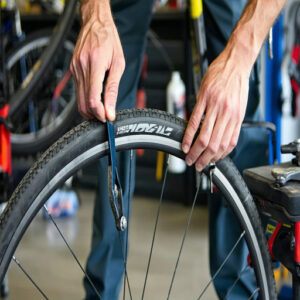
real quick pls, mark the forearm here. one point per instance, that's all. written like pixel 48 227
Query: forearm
pixel 251 31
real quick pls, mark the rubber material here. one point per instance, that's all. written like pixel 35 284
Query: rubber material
pixel 31 143
pixel 22 96
pixel 133 129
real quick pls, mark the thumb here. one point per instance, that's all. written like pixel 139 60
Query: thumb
pixel 111 89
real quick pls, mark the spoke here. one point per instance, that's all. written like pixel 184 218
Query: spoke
pixel 235 282
pixel 222 265
pixel 72 252
pixel 127 231
pixel 125 265
pixel 29 277
pixel 155 228
pixel 253 294
pixel 183 240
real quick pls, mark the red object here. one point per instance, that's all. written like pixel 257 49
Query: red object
pixel 173 4
pixel 297 242
pixel 296 54
pixel 272 239
pixel 5 147
pixel 270 244
pixel 295 85
pixel 140 99
pixel 61 85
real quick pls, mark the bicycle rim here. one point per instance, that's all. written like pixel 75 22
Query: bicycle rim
pixel 148 129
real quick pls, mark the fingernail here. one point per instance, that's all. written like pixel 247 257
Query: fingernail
pixel 188 161
pixel 111 114
pixel 185 148
pixel 199 167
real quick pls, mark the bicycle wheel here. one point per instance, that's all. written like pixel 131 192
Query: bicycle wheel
pixel 134 129
pixel 46 117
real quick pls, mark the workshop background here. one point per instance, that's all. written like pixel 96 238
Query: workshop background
pixel 167 52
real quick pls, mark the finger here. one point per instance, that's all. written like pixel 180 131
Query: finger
pixel 203 138
pixel 95 85
pixel 233 140
pixel 225 142
pixel 193 125
pixel 213 149
pixel 112 87
pixel 81 99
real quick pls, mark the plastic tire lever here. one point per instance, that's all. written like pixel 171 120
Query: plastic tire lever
pixel 114 186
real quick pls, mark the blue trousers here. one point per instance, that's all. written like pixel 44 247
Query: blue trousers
pixel 105 262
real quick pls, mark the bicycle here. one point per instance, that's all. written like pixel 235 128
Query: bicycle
pixel 134 129
pixel 27 67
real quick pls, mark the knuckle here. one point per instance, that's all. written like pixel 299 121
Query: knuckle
pixel 227 106
pixel 212 148
pixel 120 61
pixel 203 161
pixel 92 105
pixel 203 142
pixel 94 54
pixel 233 143
pixel 192 157
pixel 82 59
pixel 223 147
pixel 193 124
pixel 217 99
pixel 112 90
pixel 206 88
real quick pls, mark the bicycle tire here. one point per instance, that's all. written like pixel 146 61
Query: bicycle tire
pixel 28 143
pixel 40 72
pixel 149 129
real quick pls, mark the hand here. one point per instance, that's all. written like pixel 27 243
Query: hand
pixel 222 98
pixel 98 50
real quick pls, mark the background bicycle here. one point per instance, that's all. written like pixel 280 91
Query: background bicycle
pixel 42 99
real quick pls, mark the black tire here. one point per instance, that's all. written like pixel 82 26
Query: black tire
pixel 149 129
pixel 23 141
pixel 41 70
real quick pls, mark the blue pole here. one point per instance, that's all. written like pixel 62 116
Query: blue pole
pixel 273 82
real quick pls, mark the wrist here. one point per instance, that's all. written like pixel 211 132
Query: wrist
pixel 95 9
pixel 241 52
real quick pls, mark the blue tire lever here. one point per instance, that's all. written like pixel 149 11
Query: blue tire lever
pixel 114 186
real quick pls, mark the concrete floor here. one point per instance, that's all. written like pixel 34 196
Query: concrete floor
pixel 45 257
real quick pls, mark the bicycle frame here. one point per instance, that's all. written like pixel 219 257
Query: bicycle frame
pixel 198 38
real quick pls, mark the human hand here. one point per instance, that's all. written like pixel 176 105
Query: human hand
pixel 98 50
pixel 223 99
